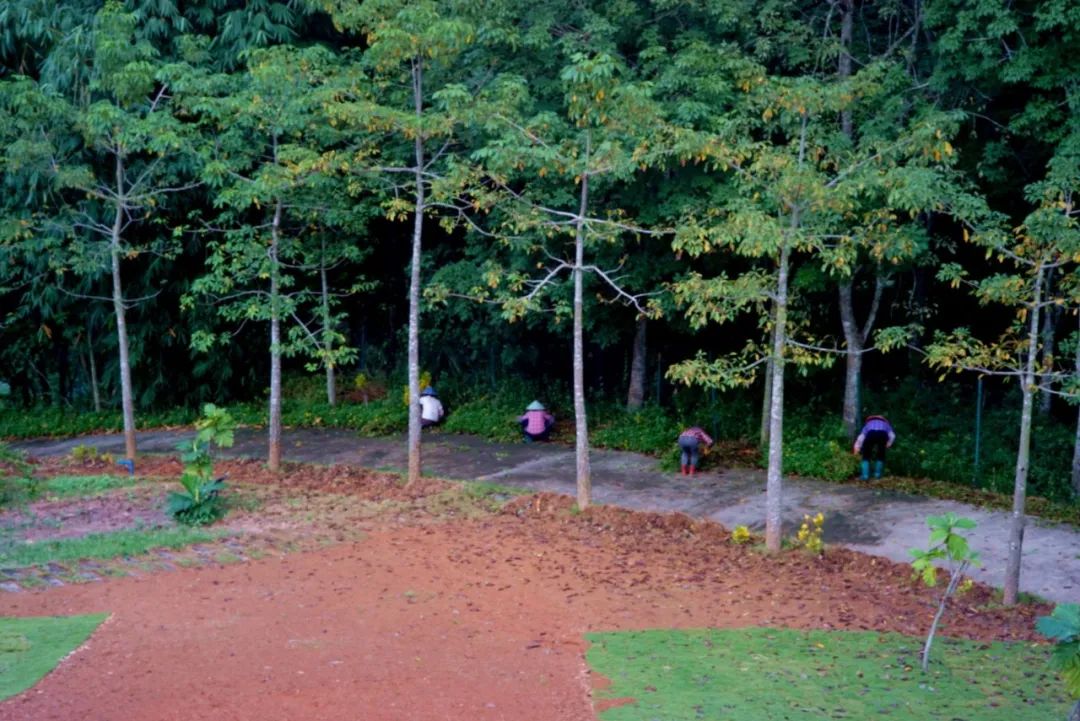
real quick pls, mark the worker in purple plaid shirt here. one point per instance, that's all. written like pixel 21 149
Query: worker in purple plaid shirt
pixel 876 435
pixel 689 442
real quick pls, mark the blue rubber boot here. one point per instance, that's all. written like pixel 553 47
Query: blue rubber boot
pixel 864 469
pixel 879 466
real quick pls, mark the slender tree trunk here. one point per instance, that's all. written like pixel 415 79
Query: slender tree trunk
pixel 581 425
pixel 774 475
pixel 127 400
pixel 1027 387
pixel 1049 331
pixel 853 341
pixel 328 340
pixel 774 479
pixel 635 396
pixel 766 398
pixel 853 359
pixel 273 461
pixel 954 581
pixel 1076 443
pixel 414 281
pixel 93 369
pixel 843 70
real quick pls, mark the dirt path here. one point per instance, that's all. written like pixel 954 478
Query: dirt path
pixel 876 522
pixel 434 618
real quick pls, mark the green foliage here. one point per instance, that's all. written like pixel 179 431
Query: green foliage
pixel 491 416
pixel 815 456
pixel 47 421
pixel 201 503
pixel 762 674
pixel 31 647
pixel 650 430
pixel 1063 626
pixel 946 544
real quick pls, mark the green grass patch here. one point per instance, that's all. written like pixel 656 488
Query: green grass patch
pixel 762 674
pixel 78 486
pixel 31 647
pixel 102 545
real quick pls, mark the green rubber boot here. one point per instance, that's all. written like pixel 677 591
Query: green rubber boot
pixel 864 469
pixel 879 466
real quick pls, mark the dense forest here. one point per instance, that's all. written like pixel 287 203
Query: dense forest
pixel 710 209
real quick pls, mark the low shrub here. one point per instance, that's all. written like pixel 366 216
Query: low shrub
pixel 826 458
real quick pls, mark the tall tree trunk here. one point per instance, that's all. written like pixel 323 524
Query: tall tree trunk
pixel 853 359
pixel 774 480
pixel 127 400
pixel 843 70
pixel 635 396
pixel 1049 331
pixel 855 339
pixel 766 397
pixel 328 340
pixel 1027 387
pixel 273 460
pixel 774 475
pixel 414 280
pixel 1076 443
pixel 581 425
pixel 93 368
pixel 852 338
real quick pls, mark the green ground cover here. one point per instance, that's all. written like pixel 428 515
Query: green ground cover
pixel 31 647
pixel 100 545
pixel 767 674
pixel 81 486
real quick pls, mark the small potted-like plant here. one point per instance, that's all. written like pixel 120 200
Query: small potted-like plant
pixel 948 546
pixel 201 502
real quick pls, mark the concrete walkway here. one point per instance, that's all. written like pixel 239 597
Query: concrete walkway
pixel 882 523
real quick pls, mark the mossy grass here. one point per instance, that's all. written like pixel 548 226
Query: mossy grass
pixel 31 647
pixel 101 545
pixel 82 486
pixel 759 674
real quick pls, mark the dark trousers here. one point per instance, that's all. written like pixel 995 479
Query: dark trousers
pixel 873 447
pixel 541 436
pixel 689 446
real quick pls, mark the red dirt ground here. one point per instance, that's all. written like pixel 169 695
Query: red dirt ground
pixel 436 617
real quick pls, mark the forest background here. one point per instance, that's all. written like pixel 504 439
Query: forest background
pixel 656 210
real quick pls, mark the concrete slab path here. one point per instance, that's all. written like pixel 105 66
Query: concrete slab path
pixel 878 522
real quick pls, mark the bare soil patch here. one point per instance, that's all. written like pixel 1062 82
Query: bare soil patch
pixel 417 604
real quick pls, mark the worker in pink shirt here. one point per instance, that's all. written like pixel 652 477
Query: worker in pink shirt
pixel 536 423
